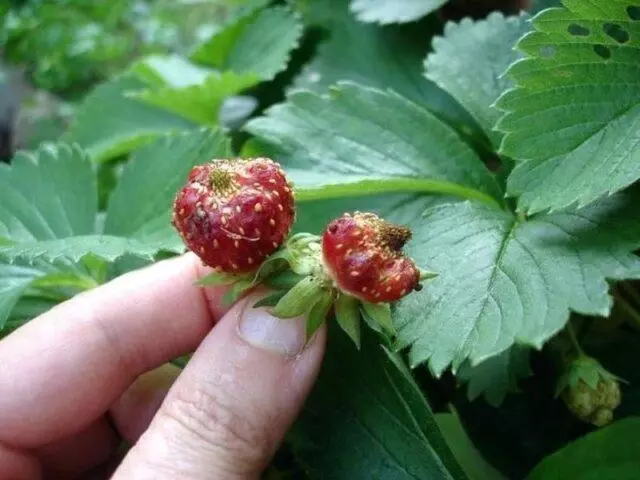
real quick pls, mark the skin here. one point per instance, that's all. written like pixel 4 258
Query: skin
pixel 93 371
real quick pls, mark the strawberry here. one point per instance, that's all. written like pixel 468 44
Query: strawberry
pixel 363 255
pixel 234 213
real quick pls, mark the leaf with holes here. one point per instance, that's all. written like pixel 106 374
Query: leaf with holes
pixel 393 11
pixel 572 120
pixel 503 280
pixel 361 137
pixel 468 62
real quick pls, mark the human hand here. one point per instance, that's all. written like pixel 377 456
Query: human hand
pixel 91 372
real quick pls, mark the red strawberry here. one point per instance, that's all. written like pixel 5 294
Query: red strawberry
pixel 362 254
pixel 235 213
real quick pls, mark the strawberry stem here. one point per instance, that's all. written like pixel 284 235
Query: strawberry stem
pixel 363 187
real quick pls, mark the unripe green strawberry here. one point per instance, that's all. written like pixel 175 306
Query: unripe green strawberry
pixel 234 213
pixel 590 392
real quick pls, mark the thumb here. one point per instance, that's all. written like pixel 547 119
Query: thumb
pixel 229 410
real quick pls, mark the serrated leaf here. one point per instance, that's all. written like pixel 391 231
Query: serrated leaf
pixel 259 43
pixel 299 299
pixel 387 58
pixel 366 418
pixel 14 279
pixel 199 103
pixel 393 11
pixel 572 120
pixel 502 280
pixel 106 247
pixel 140 205
pixel 110 123
pixel 610 452
pixel 366 134
pixel 47 194
pixel 497 376
pixel 468 62
pixel 347 310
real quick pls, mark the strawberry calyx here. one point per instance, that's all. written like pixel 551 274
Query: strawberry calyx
pixel 303 283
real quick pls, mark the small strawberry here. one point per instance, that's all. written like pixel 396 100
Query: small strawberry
pixel 234 213
pixel 363 255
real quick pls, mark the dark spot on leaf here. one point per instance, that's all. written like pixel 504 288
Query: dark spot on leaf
pixel 634 12
pixel 547 51
pixel 616 32
pixel 578 30
pixel 602 51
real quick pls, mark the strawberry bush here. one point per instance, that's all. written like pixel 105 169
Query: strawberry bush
pixel 505 137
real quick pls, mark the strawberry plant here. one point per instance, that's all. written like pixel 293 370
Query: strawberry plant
pixel 497 149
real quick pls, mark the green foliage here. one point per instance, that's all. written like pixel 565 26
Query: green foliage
pixel 612 452
pixel 518 187
pixel 369 420
pixel 572 119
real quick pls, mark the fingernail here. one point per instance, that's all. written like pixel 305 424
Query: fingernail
pixel 261 329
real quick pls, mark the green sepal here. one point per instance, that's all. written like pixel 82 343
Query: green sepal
pixel 237 289
pixel 586 369
pixel 270 300
pixel 380 313
pixel 426 274
pixel 318 314
pixel 304 253
pixel 348 317
pixel 218 278
pixel 283 281
pixel 299 299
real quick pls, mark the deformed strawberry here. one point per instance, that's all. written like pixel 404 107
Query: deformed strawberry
pixel 234 213
pixel 363 255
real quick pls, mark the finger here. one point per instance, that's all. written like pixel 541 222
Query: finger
pixel 79 453
pixel 81 356
pixel 16 464
pixel 133 411
pixel 230 408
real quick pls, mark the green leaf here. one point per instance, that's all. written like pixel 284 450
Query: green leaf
pixel 260 43
pixel 465 452
pixel 497 376
pixel 14 279
pixel 365 134
pixel 572 120
pixel 366 418
pixel 393 11
pixel 110 123
pixel 610 452
pixel 380 57
pixel 198 103
pixel 299 299
pixel 348 316
pixel 140 205
pixel 468 62
pixel 502 280
pixel 106 247
pixel 169 71
pixel 47 194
